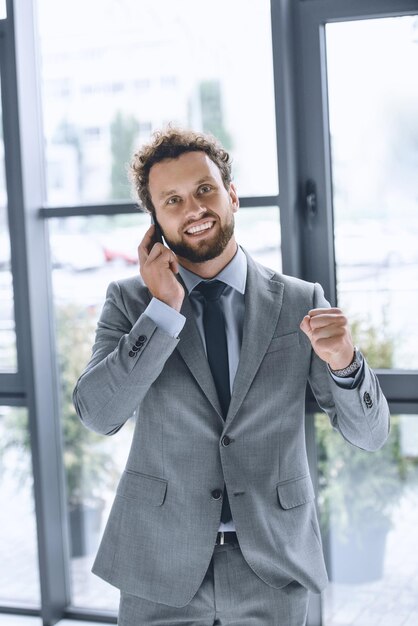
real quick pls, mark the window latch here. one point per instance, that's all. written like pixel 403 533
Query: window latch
pixel 311 206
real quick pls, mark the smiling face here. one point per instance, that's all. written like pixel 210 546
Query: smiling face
pixel 194 210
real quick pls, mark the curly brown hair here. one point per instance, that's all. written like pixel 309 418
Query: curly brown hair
pixel 170 144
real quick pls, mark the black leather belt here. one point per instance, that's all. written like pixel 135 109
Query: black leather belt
pixel 228 537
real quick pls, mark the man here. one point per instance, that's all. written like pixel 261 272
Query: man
pixel 214 519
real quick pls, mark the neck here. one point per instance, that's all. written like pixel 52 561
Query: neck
pixel 209 269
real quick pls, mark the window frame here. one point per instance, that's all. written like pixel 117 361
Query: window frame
pixel 314 164
pixel 314 153
pixel 35 384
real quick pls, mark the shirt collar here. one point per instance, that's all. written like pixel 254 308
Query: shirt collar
pixel 234 274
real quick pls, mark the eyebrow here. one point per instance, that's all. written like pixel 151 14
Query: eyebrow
pixel 171 192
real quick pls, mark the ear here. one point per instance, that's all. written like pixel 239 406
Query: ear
pixel 233 195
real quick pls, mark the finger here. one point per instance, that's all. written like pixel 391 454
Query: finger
pixel 159 249
pixel 328 332
pixel 174 263
pixel 328 320
pixel 327 344
pixel 145 246
pixel 315 312
pixel 305 325
pixel 142 254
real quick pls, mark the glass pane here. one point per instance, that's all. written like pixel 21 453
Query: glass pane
pixel 8 354
pixel 3 10
pixel 106 251
pixel 373 102
pixel 19 573
pixel 369 515
pixel 258 231
pixel 108 83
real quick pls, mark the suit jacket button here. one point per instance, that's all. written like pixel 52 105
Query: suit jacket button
pixel 142 338
pixel 135 348
pixel 132 353
pixel 216 494
pixel 226 440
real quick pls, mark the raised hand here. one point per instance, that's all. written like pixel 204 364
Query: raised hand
pixel 158 266
pixel 330 336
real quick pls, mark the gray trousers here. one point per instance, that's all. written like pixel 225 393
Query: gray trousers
pixel 230 595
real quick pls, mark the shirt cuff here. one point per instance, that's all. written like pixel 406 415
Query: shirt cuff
pixel 350 382
pixel 166 318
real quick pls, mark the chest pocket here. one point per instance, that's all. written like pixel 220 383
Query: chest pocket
pixel 284 342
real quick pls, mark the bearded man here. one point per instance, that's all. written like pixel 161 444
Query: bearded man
pixel 214 519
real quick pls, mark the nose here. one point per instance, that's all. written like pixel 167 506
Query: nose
pixel 193 206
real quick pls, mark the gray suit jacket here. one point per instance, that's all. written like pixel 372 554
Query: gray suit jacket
pixel 161 532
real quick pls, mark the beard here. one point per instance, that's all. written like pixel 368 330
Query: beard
pixel 207 250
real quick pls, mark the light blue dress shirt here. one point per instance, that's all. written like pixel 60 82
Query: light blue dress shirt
pixel 234 275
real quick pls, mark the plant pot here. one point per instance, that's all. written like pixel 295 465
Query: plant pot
pixel 85 525
pixel 359 558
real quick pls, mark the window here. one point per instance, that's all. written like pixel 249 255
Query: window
pixel 219 81
pixel 8 354
pixel 19 574
pixel 369 513
pixel 373 99
pixel 359 150
pixel 258 231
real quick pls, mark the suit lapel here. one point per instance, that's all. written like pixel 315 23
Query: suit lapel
pixel 263 303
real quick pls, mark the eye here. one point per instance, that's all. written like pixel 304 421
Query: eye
pixel 173 200
pixel 205 188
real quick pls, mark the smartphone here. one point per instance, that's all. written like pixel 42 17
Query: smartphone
pixel 158 233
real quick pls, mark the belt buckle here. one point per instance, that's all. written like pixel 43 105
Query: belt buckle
pixel 221 538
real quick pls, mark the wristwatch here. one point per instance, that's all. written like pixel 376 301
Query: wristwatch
pixel 350 369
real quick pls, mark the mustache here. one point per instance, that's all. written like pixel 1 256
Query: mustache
pixel 201 217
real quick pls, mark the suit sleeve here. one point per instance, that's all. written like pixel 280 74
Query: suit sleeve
pixel 126 360
pixel 360 414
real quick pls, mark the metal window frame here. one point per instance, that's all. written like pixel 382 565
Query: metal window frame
pixel 314 164
pixel 36 384
pixel 314 160
pixel 124 208
pixel 11 384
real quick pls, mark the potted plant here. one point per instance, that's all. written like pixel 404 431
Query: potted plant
pixel 89 465
pixel 90 470
pixel 358 493
pixel 357 490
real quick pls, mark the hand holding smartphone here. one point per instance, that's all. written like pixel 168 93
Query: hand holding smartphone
pixel 158 267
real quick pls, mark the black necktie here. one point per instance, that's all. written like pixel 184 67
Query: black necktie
pixel 217 352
